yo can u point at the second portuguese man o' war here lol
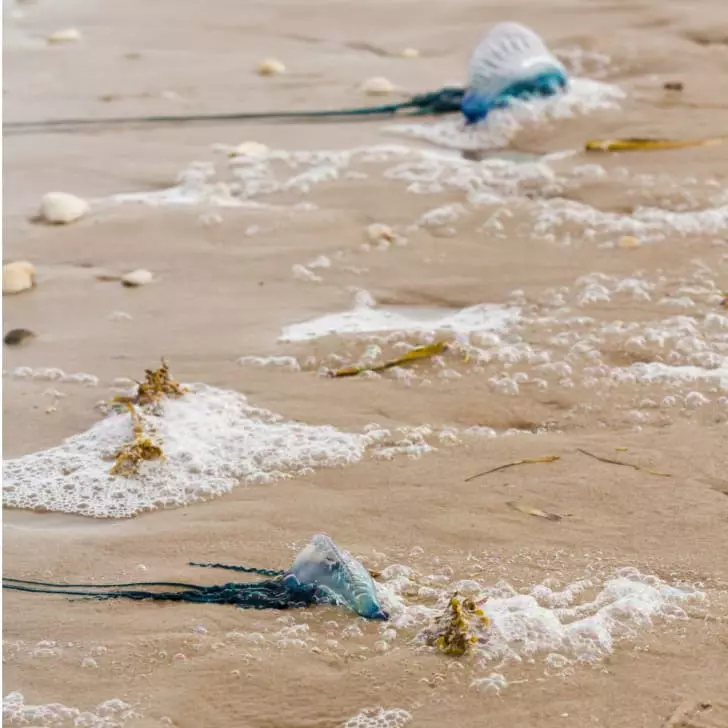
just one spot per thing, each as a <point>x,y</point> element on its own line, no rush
<point>511,62</point>
<point>321,574</point>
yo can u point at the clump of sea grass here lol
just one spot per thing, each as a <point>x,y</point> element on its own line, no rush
<point>141,448</point>
<point>451,632</point>
<point>157,385</point>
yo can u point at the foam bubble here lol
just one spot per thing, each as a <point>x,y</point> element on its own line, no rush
<point>109,714</point>
<point>379,718</point>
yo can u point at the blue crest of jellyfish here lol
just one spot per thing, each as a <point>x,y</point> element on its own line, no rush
<point>324,565</point>
<point>511,62</point>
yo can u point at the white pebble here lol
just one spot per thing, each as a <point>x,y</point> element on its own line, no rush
<point>61,208</point>
<point>377,86</point>
<point>18,276</point>
<point>67,35</point>
<point>270,67</point>
<point>410,53</point>
<point>139,277</point>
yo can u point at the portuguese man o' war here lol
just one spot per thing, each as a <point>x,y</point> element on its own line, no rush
<point>511,62</point>
<point>321,574</point>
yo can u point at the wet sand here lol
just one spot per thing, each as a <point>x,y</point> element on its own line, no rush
<point>224,291</point>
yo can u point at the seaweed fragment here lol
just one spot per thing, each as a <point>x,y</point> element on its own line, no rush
<point>639,144</point>
<point>141,448</point>
<point>451,631</point>
<point>158,384</point>
<point>525,461</point>
<point>610,461</point>
<point>419,352</point>
<point>530,511</point>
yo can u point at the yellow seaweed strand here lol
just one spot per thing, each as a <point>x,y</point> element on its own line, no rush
<point>530,511</point>
<point>526,461</point>
<point>141,448</point>
<point>636,144</point>
<point>610,461</point>
<point>419,352</point>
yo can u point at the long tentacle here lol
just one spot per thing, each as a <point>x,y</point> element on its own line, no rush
<point>50,584</point>
<point>235,567</point>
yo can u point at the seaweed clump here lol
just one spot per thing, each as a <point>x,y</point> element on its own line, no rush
<point>158,385</point>
<point>451,632</point>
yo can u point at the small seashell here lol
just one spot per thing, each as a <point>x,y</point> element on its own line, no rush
<point>18,276</point>
<point>377,86</point>
<point>629,241</point>
<point>410,53</point>
<point>67,35</point>
<point>270,67</point>
<point>61,208</point>
<point>16,337</point>
<point>139,277</point>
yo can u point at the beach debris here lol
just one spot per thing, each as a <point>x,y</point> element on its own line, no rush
<point>530,511</point>
<point>130,456</point>
<point>526,461</point>
<point>451,632</point>
<point>61,208</point>
<point>724,302</point>
<point>158,384</point>
<point>637,144</point>
<point>416,354</point>
<point>377,86</point>
<point>17,337</point>
<point>610,461</point>
<point>629,241</point>
<point>66,35</point>
<point>410,53</point>
<point>673,86</point>
<point>270,67</point>
<point>135,278</point>
<point>383,235</point>
<point>18,276</point>
<point>321,574</point>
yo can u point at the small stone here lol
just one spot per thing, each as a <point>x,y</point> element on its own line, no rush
<point>67,35</point>
<point>18,277</point>
<point>18,337</point>
<point>410,53</point>
<point>673,86</point>
<point>139,277</point>
<point>377,86</point>
<point>629,241</point>
<point>60,208</point>
<point>270,67</point>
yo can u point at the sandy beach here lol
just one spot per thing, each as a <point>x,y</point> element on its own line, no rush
<point>582,296</point>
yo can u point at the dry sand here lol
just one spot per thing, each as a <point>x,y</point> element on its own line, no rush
<point>222,294</point>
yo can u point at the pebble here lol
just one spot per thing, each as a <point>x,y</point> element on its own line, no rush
<point>271,67</point>
<point>410,53</point>
<point>18,276</point>
<point>60,208</point>
<point>135,278</point>
<point>16,337</point>
<point>67,35</point>
<point>377,86</point>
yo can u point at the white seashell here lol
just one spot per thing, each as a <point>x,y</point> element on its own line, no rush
<point>383,235</point>
<point>410,53</point>
<point>67,35</point>
<point>377,86</point>
<point>270,67</point>
<point>18,276</point>
<point>61,208</point>
<point>139,277</point>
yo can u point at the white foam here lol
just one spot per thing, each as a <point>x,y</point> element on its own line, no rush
<point>213,439</point>
<point>580,623</point>
<point>109,714</point>
<point>379,718</point>
<point>583,97</point>
<point>656,371</point>
<point>364,319</point>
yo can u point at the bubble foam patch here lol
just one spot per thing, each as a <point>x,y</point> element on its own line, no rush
<point>212,439</point>
<point>110,714</point>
